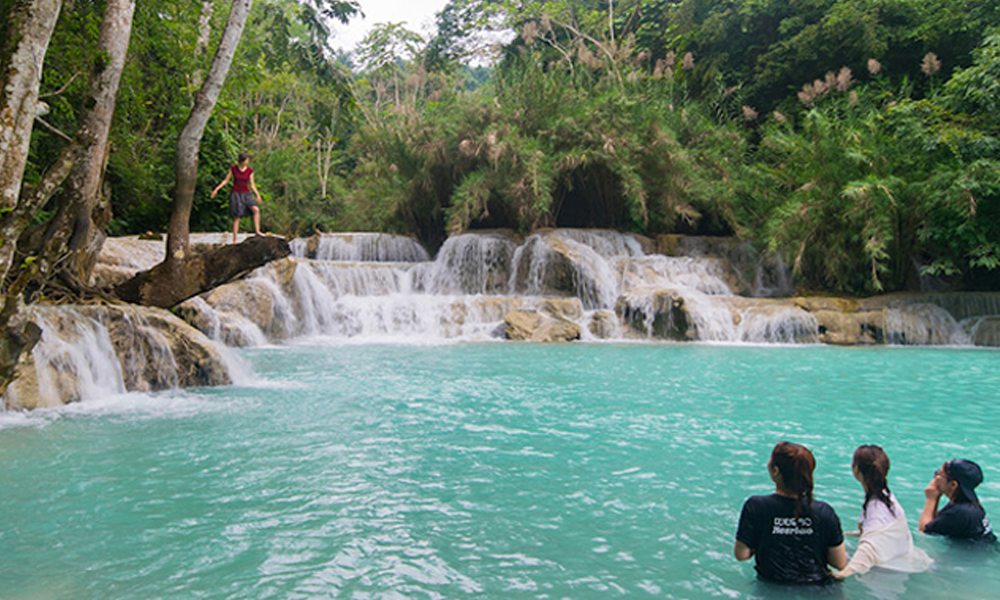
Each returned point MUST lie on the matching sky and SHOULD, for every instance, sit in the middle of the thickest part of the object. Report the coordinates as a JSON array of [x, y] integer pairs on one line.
[[418, 16]]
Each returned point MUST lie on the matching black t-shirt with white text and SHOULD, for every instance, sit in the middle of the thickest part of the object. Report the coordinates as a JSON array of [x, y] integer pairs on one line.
[[963, 521], [789, 549]]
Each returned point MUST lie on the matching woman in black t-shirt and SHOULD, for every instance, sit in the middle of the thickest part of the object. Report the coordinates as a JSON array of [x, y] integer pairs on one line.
[[963, 517], [792, 537]]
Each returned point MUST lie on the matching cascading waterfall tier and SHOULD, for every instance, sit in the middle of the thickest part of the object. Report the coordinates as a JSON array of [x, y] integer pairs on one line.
[[92, 352], [587, 277], [364, 247], [609, 285]]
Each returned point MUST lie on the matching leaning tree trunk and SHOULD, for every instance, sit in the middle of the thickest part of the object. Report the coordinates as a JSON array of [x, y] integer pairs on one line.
[[182, 274], [190, 138], [74, 237]]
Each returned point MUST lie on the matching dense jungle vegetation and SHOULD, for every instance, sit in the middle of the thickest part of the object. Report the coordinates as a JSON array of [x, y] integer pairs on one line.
[[857, 137]]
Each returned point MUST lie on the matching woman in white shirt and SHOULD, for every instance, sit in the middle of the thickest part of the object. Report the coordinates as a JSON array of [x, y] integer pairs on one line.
[[885, 537]]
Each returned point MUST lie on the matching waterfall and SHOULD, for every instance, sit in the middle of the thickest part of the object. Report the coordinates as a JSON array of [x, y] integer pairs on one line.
[[759, 275], [961, 305], [476, 278], [573, 262], [93, 352], [74, 359], [470, 264], [923, 324], [351, 300], [983, 331], [697, 281], [701, 275], [359, 247], [233, 329], [775, 324], [365, 287]]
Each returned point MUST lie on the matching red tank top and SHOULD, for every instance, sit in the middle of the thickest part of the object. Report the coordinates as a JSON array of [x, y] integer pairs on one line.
[[241, 179]]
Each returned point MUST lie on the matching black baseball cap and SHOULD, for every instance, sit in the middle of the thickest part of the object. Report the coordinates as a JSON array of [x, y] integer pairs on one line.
[[968, 475]]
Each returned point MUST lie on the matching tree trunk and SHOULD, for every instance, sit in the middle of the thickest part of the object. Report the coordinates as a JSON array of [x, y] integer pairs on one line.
[[30, 27], [204, 32], [76, 234], [190, 137]]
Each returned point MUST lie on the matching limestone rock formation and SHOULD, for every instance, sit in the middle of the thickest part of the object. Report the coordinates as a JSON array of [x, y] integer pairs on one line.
[[567, 309], [88, 350], [659, 313], [526, 325], [603, 325]]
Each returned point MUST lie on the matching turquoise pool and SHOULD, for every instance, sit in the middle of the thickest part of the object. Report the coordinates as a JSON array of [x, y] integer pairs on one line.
[[495, 470]]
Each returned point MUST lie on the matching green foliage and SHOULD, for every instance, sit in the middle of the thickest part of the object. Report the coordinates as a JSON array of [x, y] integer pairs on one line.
[[774, 46], [562, 144], [722, 117]]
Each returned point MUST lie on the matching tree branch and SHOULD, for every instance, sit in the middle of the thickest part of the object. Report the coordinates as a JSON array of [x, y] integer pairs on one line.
[[60, 90], [53, 129]]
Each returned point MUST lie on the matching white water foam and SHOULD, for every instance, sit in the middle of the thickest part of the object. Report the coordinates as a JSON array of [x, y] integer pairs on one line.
[[923, 324], [469, 264], [447, 299], [360, 247], [75, 360]]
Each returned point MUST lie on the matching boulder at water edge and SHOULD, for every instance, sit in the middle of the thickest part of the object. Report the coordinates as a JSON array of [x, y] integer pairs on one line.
[[526, 325]]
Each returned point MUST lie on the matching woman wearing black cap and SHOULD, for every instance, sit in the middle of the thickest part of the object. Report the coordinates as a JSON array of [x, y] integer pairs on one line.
[[963, 517]]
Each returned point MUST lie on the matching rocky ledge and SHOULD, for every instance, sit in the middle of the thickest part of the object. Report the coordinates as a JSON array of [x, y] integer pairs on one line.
[[94, 350]]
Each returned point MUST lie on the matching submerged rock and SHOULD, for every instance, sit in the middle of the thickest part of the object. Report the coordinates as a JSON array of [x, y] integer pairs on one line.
[[91, 351]]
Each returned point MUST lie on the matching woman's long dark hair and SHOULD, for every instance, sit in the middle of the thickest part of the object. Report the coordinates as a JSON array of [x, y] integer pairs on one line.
[[872, 464], [796, 464]]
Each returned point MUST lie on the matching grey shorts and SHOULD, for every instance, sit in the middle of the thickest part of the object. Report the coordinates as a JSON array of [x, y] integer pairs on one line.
[[240, 203]]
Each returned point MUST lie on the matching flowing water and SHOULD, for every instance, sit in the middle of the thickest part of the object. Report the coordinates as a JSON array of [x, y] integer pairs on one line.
[[490, 470]]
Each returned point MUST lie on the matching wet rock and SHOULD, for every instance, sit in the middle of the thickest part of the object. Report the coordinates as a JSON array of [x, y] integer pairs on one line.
[[87, 350], [249, 297], [524, 325], [747, 271], [231, 329], [603, 325], [567, 309], [573, 263], [656, 312], [985, 331], [123, 257]]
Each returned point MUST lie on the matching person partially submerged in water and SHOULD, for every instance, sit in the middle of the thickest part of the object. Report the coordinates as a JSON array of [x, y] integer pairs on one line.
[[963, 517], [792, 537], [885, 541]]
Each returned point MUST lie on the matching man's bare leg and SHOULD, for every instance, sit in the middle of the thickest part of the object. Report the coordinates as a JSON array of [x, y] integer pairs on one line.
[[236, 229]]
